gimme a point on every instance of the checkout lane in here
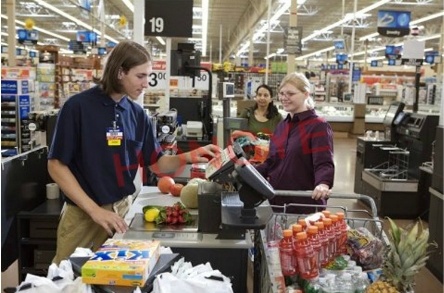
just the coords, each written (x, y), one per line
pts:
(230, 256)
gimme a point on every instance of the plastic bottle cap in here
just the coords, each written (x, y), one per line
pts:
(296, 228)
(340, 215)
(334, 218)
(301, 236)
(312, 230)
(288, 233)
(320, 225)
(302, 222)
(327, 221)
(326, 214)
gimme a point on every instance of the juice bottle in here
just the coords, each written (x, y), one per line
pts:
(307, 262)
(326, 214)
(337, 232)
(313, 238)
(286, 253)
(331, 238)
(323, 241)
(342, 243)
(296, 229)
(303, 224)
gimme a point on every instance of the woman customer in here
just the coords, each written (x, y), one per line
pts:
(263, 117)
(301, 148)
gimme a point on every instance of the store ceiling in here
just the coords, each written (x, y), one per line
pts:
(231, 22)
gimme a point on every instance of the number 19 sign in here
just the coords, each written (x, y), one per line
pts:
(169, 18)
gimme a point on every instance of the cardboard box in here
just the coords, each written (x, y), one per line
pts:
(122, 262)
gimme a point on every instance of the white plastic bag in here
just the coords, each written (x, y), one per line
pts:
(198, 279)
(201, 283)
(59, 280)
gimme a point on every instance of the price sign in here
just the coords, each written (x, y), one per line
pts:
(157, 78)
(161, 18)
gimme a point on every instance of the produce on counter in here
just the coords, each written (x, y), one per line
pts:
(188, 194)
(164, 184)
(151, 214)
(175, 189)
(407, 254)
(176, 214)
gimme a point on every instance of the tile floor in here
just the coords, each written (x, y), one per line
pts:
(345, 155)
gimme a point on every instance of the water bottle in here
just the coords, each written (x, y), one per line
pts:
(344, 283)
(313, 237)
(286, 253)
(362, 283)
(331, 238)
(323, 241)
(337, 232)
(307, 262)
(342, 243)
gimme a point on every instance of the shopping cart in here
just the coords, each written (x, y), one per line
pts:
(355, 218)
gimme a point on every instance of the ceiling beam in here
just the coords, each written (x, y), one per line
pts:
(251, 16)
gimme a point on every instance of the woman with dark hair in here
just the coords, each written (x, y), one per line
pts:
(101, 139)
(264, 116)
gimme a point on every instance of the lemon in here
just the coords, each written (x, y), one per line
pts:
(151, 214)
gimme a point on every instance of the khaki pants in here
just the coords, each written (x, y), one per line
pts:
(77, 229)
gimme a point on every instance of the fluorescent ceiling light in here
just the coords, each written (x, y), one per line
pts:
(40, 30)
(129, 5)
(270, 56)
(161, 41)
(316, 53)
(205, 5)
(414, 22)
(345, 19)
(72, 18)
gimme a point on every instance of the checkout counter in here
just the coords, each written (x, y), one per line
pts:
(230, 256)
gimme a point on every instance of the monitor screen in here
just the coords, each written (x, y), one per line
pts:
(392, 112)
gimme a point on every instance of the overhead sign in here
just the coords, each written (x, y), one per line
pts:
(169, 18)
(86, 36)
(292, 40)
(393, 23)
(27, 36)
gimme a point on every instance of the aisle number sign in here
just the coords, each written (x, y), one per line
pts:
(162, 18)
(158, 79)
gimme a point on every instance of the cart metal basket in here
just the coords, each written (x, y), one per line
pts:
(355, 218)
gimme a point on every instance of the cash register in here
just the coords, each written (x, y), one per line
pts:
(243, 208)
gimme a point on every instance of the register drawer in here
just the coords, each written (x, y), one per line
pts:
(43, 229)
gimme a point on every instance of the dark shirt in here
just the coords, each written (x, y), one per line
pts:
(106, 173)
(300, 158)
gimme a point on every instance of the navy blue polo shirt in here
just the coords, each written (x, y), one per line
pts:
(300, 158)
(105, 172)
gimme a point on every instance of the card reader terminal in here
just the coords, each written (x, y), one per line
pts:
(219, 167)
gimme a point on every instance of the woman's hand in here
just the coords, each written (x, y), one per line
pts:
(204, 154)
(239, 133)
(321, 191)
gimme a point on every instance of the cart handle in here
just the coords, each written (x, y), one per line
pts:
(333, 195)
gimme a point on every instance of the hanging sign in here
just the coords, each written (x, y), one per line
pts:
(393, 23)
(27, 37)
(292, 40)
(169, 18)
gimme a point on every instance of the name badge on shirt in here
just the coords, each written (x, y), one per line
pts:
(114, 136)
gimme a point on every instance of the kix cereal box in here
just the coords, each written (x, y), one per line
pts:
(122, 262)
